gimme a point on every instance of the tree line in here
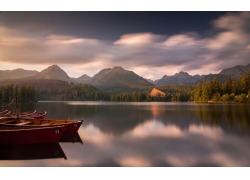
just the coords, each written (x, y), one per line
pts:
(233, 90)
(24, 93)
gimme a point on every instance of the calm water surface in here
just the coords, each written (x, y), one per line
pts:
(141, 134)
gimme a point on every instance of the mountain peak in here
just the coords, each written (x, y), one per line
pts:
(118, 78)
(84, 76)
(117, 68)
(179, 78)
(53, 72)
(54, 66)
(181, 74)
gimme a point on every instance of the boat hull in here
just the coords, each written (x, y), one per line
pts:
(70, 125)
(31, 135)
(38, 115)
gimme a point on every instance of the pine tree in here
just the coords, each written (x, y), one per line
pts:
(228, 86)
(243, 85)
(197, 94)
(205, 91)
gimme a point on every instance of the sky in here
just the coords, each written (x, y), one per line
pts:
(150, 43)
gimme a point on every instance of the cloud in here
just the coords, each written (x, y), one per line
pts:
(233, 21)
(138, 39)
(181, 40)
(145, 53)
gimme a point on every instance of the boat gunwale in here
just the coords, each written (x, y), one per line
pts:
(32, 129)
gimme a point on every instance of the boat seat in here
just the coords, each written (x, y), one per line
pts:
(24, 123)
(6, 122)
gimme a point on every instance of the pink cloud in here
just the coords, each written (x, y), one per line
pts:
(138, 39)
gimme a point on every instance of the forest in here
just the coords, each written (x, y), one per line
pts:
(24, 93)
(233, 90)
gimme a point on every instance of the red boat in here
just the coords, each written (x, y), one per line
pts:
(38, 115)
(70, 125)
(31, 135)
(3, 112)
(29, 114)
(21, 115)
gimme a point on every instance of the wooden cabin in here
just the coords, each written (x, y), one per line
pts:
(156, 93)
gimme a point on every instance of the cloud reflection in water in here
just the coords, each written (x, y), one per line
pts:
(155, 144)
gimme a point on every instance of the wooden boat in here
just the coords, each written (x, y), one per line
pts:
(31, 135)
(70, 125)
(27, 113)
(40, 115)
(3, 112)
(21, 115)
(31, 151)
(32, 114)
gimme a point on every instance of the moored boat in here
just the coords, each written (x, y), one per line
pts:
(3, 112)
(21, 115)
(70, 125)
(31, 135)
(32, 114)
(40, 115)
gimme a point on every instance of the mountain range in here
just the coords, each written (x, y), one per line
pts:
(117, 79)
(182, 78)
(16, 73)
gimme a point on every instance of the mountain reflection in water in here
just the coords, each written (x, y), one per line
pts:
(152, 134)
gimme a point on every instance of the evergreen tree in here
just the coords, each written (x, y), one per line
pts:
(243, 85)
(214, 87)
(205, 91)
(228, 86)
(197, 94)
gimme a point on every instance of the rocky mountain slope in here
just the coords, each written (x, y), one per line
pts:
(117, 78)
(52, 72)
(182, 78)
(236, 71)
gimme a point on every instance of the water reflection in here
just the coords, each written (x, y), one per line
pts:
(31, 151)
(234, 117)
(152, 134)
(38, 151)
(72, 137)
(154, 144)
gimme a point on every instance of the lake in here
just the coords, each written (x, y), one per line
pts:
(141, 134)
